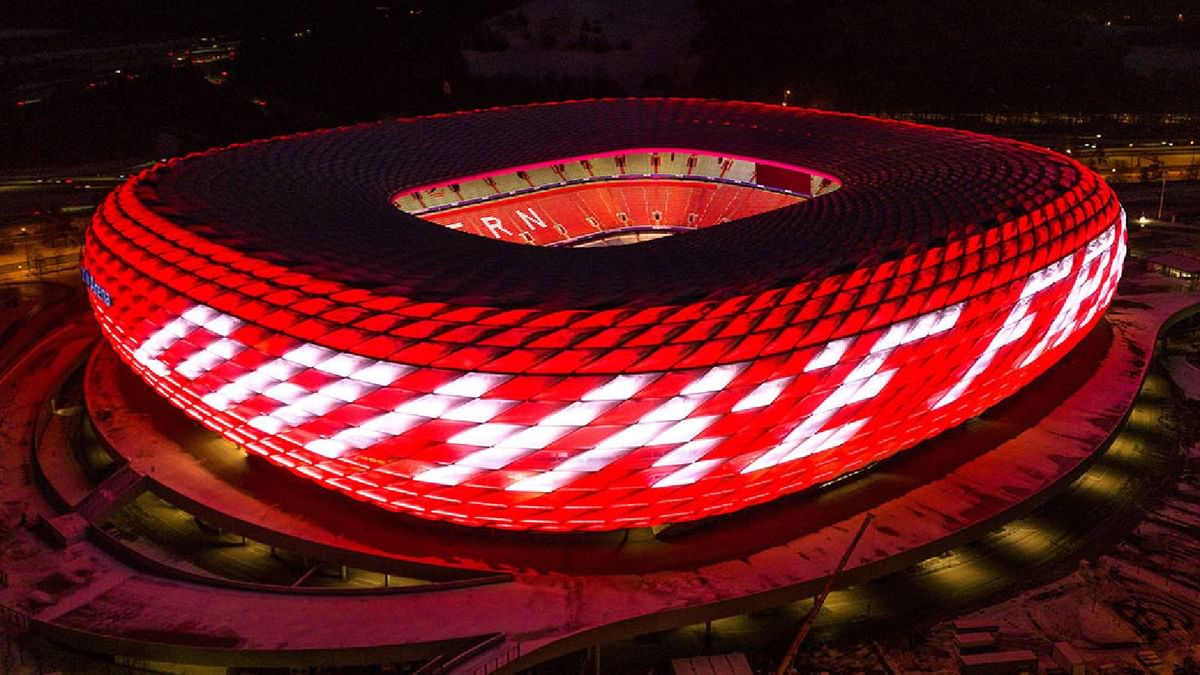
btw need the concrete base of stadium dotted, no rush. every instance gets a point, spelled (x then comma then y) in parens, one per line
(498, 599)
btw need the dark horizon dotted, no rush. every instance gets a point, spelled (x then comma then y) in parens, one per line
(64, 97)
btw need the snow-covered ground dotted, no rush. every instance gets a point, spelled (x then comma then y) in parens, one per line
(1185, 375)
(1126, 609)
(1142, 595)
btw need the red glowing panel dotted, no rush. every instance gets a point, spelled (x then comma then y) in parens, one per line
(574, 417)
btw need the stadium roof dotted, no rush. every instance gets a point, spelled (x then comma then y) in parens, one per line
(320, 202)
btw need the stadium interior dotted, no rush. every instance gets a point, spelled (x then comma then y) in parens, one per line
(618, 198)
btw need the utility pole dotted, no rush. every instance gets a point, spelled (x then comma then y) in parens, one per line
(1162, 193)
(818, 601)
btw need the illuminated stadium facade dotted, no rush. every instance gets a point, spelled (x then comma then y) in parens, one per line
(846, 287)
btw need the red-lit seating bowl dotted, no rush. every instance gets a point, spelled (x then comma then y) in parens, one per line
(275, 293)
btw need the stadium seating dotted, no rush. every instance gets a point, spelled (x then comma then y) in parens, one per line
(544, 176)
(476, 189)
(707, 165)
(638, 163)
(574, 171)
(740, 171)
(603, 168)
(509, 182)
(550, 217)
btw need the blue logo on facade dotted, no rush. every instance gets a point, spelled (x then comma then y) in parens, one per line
(95, 287)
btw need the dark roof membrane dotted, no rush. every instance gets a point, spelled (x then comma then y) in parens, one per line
(320, 203)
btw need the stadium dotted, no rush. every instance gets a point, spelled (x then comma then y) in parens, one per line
(602, 314)
(640, 375)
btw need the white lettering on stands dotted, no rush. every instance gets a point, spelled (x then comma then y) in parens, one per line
(531, 218)
(494, 225)
(454, 226)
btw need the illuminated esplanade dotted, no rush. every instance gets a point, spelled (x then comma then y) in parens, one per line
(433, 315)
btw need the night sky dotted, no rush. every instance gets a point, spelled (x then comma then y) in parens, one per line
(301, 65)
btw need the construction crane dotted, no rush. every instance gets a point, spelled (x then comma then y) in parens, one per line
(818, 601)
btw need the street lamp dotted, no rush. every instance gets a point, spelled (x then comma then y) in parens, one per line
(28, 253)
(787, 95)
